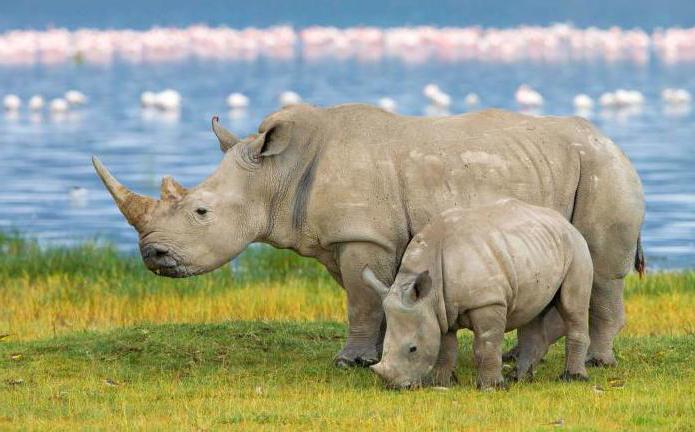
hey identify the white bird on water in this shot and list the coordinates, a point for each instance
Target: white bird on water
(436, 96)
(36, 103)
(168, 100)
(629, 97)
(11, 102)
(148, 99)
(583, 102)
(527, 97)
(471, 99)
(288, 98)
(78, 196)
(75, 98)
(387, 104)
(621, 98)
(58, 106)
(237, 101)
(607, 100)
(672, 96)
(430, 90)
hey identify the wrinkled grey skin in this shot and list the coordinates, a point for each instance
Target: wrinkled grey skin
(490, 269)
(350, 185)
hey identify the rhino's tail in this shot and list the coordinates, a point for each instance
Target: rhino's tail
(640, 263)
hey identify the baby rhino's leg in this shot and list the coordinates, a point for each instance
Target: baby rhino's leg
(573, 306)
(443, 373)
(488, 324)
(533, 345)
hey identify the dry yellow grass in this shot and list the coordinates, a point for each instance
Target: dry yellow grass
(37, 309)
(61, 303)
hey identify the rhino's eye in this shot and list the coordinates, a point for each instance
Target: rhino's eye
(201, 211)
(413, 349)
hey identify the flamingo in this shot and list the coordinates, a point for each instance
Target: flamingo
(36, 103)
(75, 98)
(288, 98)
(387, 104)
(237, 101)
(12, 102)
(527, 97)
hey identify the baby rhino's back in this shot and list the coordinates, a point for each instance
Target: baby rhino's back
(509, 253)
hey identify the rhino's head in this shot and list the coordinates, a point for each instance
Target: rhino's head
(413, 334)
(193, 231)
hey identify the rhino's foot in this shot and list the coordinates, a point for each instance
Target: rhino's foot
(441, 378)
(512, 355)
(353, 357)
(492, 385)
(516, 375)
(601, 360)
(567, 377)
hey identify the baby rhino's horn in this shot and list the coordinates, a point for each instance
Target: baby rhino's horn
(370, 279)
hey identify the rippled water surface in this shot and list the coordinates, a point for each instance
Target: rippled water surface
(43, 156)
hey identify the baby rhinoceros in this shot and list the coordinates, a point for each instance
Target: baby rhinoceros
(490, 269)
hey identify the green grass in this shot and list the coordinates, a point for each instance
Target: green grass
(258, 375)
(252, 348)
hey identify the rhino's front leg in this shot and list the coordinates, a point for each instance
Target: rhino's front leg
(366, 324)
(488, 325)
(443, 373)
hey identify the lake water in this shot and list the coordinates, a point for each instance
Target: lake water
(43, 156)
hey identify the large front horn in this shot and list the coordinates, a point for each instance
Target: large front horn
(226, 138)
(136, 208)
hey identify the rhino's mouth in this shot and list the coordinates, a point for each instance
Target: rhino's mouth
(170, 271)
(164, 261)
(404, 385)
(176, 271)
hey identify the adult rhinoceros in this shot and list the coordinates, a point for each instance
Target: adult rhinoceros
(350, 185)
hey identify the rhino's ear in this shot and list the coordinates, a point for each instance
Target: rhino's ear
(273, 141)
(420, 289)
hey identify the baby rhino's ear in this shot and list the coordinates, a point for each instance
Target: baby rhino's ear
(421, 289)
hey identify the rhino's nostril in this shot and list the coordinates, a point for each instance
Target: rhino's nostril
(155, 251)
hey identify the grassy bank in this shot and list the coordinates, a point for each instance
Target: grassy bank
(91, 339)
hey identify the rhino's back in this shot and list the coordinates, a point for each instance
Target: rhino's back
(477, 158)
(388, 175)
(509, 252)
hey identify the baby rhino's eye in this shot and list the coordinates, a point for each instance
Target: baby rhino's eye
(201, 211)
(413, 349)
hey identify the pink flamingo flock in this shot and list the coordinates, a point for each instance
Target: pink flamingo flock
(554, 43)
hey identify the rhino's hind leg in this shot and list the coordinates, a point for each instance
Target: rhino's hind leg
(553, 329)
(609, 211)
(366, 324)
(488, 324)
(573, 306)
(607, 317)
(532, 347)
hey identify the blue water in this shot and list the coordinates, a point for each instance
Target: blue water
(42, 157)
(647, 14)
